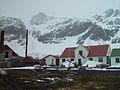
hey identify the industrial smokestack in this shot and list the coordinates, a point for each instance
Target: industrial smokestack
(1, 39)
(26, 50)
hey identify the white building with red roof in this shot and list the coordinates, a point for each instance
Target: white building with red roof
(82, 54)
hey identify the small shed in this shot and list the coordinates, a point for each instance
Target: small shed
(50, 60)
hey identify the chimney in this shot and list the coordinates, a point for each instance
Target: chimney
(1, 39)
(26, 50)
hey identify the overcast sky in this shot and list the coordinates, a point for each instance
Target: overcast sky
(25, 9)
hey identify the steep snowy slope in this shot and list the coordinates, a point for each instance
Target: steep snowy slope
(50, 35)
(110, 20)
(98, 28)
(14, 29)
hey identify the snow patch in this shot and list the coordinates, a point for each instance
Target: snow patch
(91, 63)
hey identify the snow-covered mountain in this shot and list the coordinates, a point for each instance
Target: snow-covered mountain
(14, 29)
(40, 18)
(110, 20)
(102, 27)
(49, 34)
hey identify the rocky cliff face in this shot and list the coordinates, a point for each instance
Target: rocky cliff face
(100, 27)
(109, 20)
(14, 29)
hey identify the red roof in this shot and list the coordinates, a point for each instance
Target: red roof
(68, 53)
(94, 51)
(99, 50)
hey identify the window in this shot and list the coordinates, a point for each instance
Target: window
(117, 60)
(72, 59)
(100, 59)
(63, 60)
(6, 54)
(91, 59)
(80, 52)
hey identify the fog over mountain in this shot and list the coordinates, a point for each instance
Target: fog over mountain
(49, 34)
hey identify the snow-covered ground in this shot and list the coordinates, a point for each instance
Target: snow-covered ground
(91, 64)
(38, 49)
(30, 67)
(68, 64)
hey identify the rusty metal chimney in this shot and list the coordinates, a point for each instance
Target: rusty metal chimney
(1, 39)
(26, 50)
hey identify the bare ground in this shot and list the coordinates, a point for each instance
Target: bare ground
(59, 80)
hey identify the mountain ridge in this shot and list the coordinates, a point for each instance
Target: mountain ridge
(57, 33)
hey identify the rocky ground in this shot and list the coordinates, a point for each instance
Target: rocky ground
(59, 80)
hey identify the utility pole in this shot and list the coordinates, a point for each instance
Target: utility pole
(26, 48)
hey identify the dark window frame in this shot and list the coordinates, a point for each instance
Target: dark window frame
(100, 59)
(6, 54)
(117, 60)
(72, 59)
(90, 59)
(80, 52)
(63, 60)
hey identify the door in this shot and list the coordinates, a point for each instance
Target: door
(57, 62)
(108, 60)
(79, 62)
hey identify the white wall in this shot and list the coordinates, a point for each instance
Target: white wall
(82, 60)
(50, 59)
(85, 54)
(66, 59)
(75, 60)
(80, 47)
(113, 60)
(97, 59)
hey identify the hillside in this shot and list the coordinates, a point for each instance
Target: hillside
(49, 34)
